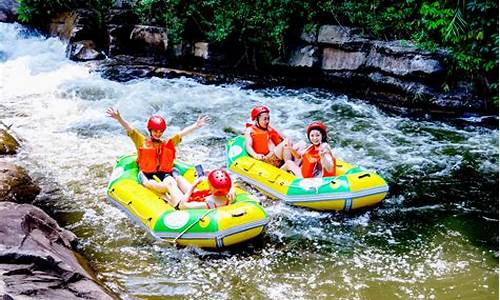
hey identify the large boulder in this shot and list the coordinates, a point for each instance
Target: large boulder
(8, 144)
(82, 30)
(84, 51)
(150, 40)
(119, 26)
(306, 56)
(404, 59)
(338, 59)
(16, 185)
(37, 260)
(342, 37)
(8, 10)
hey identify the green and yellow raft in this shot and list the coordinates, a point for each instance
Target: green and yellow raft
(206, 228)
(353, 188)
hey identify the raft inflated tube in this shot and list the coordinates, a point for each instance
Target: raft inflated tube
(240, 221)
(352, 188)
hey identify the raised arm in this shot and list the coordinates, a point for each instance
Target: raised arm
(115, 114)
(202, 121)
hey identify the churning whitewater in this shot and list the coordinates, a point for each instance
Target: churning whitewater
(434, 236)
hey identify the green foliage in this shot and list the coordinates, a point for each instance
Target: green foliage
(33, 10)
(30, 9)
(467, 28)
(255, 25)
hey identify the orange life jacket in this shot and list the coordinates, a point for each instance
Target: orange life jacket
(201, 196)
(311, 164)
(156, 158)
(260, 138)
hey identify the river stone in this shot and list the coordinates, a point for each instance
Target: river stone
(337, 59)
(84, 51)
(8, 144)
(304, 57)
(8, 10)
(310, 37)
(37, 260)
(15, 184)
(341, 37)
(121, 16)
(399, 62)
(74, 26)
(149, 39)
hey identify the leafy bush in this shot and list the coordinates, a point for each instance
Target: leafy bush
(467, 28)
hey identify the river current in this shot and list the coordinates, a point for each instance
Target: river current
(435, 236)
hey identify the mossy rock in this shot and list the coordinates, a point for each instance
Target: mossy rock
(8, 144)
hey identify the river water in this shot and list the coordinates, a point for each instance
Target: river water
(434, 237)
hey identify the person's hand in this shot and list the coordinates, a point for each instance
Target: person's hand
(260, 156)
(113, 113)
(202, 121)
(231, 196)
(324, 148)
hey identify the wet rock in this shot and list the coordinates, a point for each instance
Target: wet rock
(311, 36)
(403, 59)
(304, 57)
(37, 260)
(344, 37)
(78, 25)
(16, 185)
(150, 40)
(8, 144)
(84, 51)
(200, 49)
(337, 59)
(8, 10)
(119, 26)
(62, 25)
(125, 68)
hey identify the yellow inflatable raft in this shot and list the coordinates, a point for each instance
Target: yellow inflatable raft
(353, 188)
(208, 228)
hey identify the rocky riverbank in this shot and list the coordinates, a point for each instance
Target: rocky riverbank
(393, 74)
(37, 257)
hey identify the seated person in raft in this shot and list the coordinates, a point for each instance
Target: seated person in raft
(317, 158)
(220, 193)
(263, 142)
(155, 156)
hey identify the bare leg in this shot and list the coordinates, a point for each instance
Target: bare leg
(176, 194)
(292, 167)
(183, 184)
(283, 152)
(159, 187)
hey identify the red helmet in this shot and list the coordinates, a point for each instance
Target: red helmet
(256, 111)
(219, 182)
(318, 126)
(157, 123)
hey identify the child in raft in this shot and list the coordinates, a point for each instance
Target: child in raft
(155, 156)
(317, 158)
(220, 193)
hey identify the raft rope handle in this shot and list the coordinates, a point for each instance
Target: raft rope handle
(364, 175)
(132, 207)
(174, 241)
